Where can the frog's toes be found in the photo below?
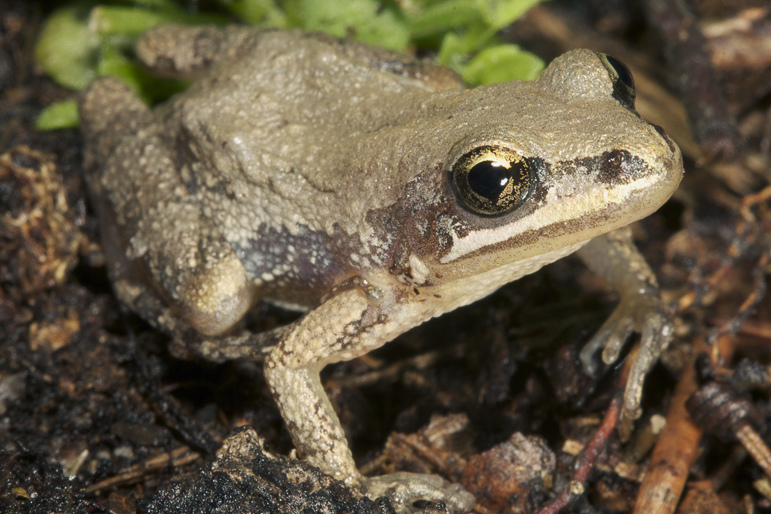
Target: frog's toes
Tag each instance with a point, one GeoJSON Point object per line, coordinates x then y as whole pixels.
{"type": "Point", "coordinates": [405, 489]}
{"type": "Point", "coordinates": [647, 315]}
{"type": "Point", "coordinates": [643, 313]}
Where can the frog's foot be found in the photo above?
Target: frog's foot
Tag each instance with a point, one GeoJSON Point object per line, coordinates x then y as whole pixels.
{"type": "Point", "coordinates": [405, 489]}
{"type": "Point", "coordinates": [644, 313]}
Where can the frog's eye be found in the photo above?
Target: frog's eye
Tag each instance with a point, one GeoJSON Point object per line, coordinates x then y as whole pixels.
{"type": "Point", "coordinates": [492, 180]}
{"type": "Point", "coordinates": [623, 81]}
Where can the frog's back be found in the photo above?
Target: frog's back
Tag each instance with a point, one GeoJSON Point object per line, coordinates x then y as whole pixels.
{"type": "Point", "coordinates": [287, 99]}
{"type": "Point", "coordinates": [267, 143]}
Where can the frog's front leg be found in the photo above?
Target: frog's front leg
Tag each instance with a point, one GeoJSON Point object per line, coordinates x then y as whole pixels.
{"type": "Point", "coordinates": [349, 323]}
{"type": "Point", "coordinates": [615, 258]}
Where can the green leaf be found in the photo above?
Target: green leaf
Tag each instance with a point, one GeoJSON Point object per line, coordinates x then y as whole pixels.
{"type": "Point", "coordinates": [160, 5]}
{"type": "Point", "coordinates": [456, 48]}
{"type": "Point", "coordinates": [439, 17]}
{"type": "Point", "coordinates": [453, 50]}
{"type": "Point", "coordinates": [263, 13]}
{"type": "Point", "coordinates": [107, 20]}
{"type": "Point", "coordinates": [366, 20]}
{"type": "Point", "coordinates": [67, 49]}
{"type": "Point", "coordinates": [129, 21]}
{"type": "Point", "coordinates": [502, 13]}
{"type": "Point", "coordinates": [58, 116]}
{"type": "Point", "coordinates": [72, 41]}
{"type": "Point", "coordinates": [501, 63]}
{"type": "Point", "coordinates": [149, 87]}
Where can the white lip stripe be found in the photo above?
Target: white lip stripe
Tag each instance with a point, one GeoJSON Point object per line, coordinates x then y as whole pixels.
{"type": "Point", "coordinates": [552, 212]}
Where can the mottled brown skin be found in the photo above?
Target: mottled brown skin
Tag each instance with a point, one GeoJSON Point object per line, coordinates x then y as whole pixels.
{"type": "Point", "coordinates": [316, 173]}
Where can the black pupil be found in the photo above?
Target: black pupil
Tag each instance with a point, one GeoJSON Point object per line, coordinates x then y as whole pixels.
{"type": "Point", "coordinates": [488, 179]}
{"type": "Point", "coordinates": [624, 75]}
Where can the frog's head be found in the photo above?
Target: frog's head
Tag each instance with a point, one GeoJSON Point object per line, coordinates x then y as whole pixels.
{"type": "Point", "coordinates": [542, 167]}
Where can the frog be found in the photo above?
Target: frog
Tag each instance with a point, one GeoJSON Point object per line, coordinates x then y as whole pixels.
{"type": "Point", "coordinates": [371, 191]}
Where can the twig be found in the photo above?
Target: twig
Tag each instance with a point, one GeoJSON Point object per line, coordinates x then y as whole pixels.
{"type": "Point", "coordinates": [599, 441]}
{"type": "Point", "coordinates": [685, 50]}
{"type": "Point", "coordinates": [177, 458]}
{"type": "Point", "coordinates": [678, 445]}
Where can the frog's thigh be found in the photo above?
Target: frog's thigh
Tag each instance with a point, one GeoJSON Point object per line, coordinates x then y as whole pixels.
{"type": "Point", "coordinates": [196, 269]}
{"type": "Point", "coordinates": [216, 292]}
{"type": "Point", "coordinates": [110, 112]}
{"type": "Point", "coordinates": [344, 326]}
{"type": "Point", "coordinates": [173, 281]}
{"type": "Point", "coordinates": [187, 261]}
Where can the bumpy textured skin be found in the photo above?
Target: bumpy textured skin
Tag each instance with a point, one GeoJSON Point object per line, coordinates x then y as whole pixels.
{"type": "Point", "coordinates": [314, 173]}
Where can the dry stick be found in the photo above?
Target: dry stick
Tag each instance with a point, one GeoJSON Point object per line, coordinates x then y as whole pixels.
{"type": "Point", "coordinates": [747, 233]}
{"type": "Point", "coordinates": [721, 409]}
{"type": "Point", "coordinates": [585, 465]}
{"type": "Point", "coordinates": [677, 447]}
{"type": "Point", "coordinates": [177, 458]}
{"type": "Point", "coordinates": [685, 51]}
{"type": "Point", "coordinates": [755, 446]}
{"type": "Point", "coordinates": [678, 444]}
{"type": "Point", "coordinates": [424, 451]}
{"type": "Point", "coordinates": [575, 487]}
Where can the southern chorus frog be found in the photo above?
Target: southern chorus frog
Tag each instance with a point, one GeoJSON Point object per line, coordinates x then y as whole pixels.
{"type": "Point", "coordinates": [374, 192]}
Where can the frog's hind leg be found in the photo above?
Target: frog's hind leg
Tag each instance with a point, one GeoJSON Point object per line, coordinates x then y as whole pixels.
{"type": "Point", "coordinates": [167, 261]}
{"type": "Point", "coordinates": [185, 52]}
{"type": "Point", "coordinates": [136, 289]}
{"type": "Point", "coordinates": [109, 113]}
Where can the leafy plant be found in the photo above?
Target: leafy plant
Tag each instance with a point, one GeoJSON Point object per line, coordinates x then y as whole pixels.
{"type": "Point", "coordinates": [84, 41]}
